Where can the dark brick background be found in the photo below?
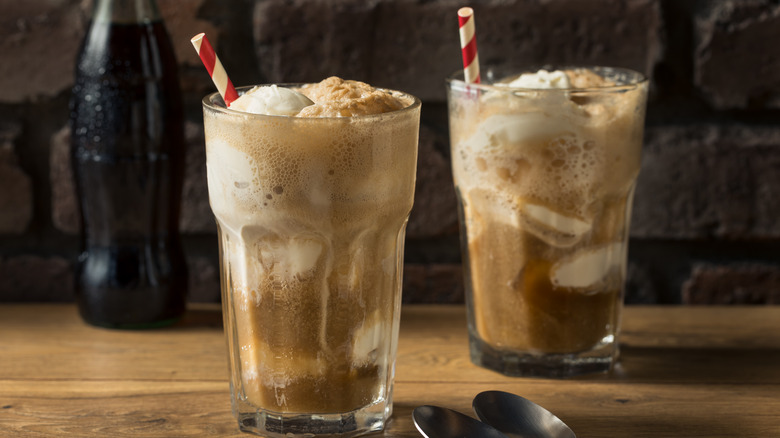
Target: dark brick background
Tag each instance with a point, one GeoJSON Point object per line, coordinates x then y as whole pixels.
{"type": "Point", "coordinates": [705, 221]}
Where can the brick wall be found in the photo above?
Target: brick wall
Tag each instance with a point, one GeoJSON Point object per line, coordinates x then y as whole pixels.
{"type": "Point", "coordinates": [705, 220]}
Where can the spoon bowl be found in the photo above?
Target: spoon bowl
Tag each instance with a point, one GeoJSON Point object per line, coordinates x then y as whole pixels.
{"type": "Point", "coordinates": [519, 417]}
{"type": "Point", "coordinates": [437, 422]}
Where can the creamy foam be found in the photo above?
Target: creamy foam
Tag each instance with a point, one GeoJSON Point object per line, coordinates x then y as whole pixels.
{"type": "Point", "coordinates": [336, 97]}
{"type": "Point", "coordinates": [281, 163]}
{"type": "Point", "coordinates": [555, 150]}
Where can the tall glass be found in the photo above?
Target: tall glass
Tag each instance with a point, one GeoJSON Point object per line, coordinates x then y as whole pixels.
{"type": "Point", "coordinates": [311, 215]}
{"type": "Point", "coordinates": [545, 180]}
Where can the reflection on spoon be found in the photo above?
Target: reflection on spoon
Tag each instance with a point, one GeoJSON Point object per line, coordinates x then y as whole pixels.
{"type": "Point", "coordinates": [519, 417]}
{"type": "Point", "coordinates": [436, 422]}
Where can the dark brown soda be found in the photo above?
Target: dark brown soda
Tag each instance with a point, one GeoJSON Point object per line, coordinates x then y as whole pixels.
{"type": "Point", "coordinates": [128, 157]}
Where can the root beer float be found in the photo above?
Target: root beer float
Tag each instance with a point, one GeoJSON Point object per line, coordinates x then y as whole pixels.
{"type": "Point", "coordinates": [311, 187]}
{"type": "Point", "coordinates": [544, 165]}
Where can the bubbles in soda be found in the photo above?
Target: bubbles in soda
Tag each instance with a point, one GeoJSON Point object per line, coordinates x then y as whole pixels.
{"type": "Point", "coordinates": [128, 158]}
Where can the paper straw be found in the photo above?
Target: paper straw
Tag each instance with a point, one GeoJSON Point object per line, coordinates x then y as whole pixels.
{"type": "Point", "coordinates": [214, 67]}
{"type": "Point", "coordinates": [468, 45]}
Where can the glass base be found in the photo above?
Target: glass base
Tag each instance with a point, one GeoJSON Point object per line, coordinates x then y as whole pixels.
{"type": "Point", "coordinates": [599, 359]}
{"type": "Point", "coordinates": [278, 425]}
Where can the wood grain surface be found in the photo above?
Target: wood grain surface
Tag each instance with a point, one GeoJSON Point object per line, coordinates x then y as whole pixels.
{"type": "Point", "coordinates": [684, 372]}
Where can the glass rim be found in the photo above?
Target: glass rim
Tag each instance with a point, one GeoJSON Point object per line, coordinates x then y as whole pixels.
{"type": "Point", "coordinates": [215, 102]}
{"type": "Point", "coordinates": [457, 78]}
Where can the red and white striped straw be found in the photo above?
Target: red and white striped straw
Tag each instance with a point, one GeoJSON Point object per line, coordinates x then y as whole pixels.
{"type": "Point", "coordinates": [214, 67]}
{"type": "Point", "coordinates": [468, 45]}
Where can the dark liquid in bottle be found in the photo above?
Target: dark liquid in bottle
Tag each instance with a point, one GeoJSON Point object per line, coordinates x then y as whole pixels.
{"type": "Point", "coordinates": [128, 157]}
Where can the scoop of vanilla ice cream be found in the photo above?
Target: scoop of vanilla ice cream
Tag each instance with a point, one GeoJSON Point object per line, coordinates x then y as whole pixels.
{"type": "Point", "coordinates": [506, 130]}
{"type": "Point", "coordinates": [588, 266]}
{"type": "Point", "coordinates": [271, 100]}
{"type": "Point", "coordinates": [542, 79]}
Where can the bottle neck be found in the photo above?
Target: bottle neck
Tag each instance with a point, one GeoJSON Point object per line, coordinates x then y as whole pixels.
{"type": "Point", "coordinates": [125, 11]}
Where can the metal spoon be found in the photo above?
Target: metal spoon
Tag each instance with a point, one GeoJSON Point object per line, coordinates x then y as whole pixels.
{"type": "Point", "coordinates": [519, 417]}
{"type": "Point", "coordinates": [436, 422]}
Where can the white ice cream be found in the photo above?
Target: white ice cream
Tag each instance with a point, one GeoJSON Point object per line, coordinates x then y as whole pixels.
{"type": "Point", "coordinates": [368, 339]}
{"type": "Point", "coordinates": [542, 79]}
{"type": "Point", "coordinates": [230, 174]}
{"type": "Point", "coordinates": [588, 266]}
{"type": "Point", "coordinates": [507, 129]}
{"type": "Point", "coordinates": [556, 229]}
{"type": "Point", "coordinates": [271, 100]}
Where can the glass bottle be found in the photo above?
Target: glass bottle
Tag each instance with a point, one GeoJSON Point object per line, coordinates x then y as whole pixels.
{"type": "Point", "coordinates": [128, 163]}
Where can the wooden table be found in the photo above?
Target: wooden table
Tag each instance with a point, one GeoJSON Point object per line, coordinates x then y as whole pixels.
{"type": "Point", "coordinates": [685, 372]}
